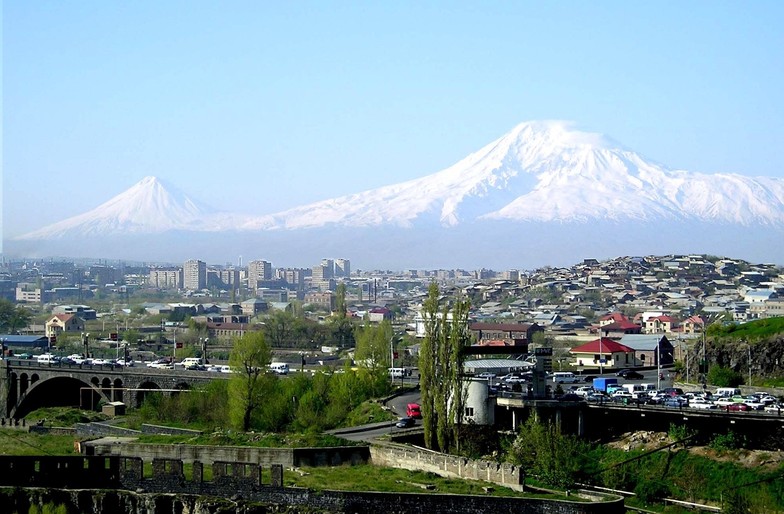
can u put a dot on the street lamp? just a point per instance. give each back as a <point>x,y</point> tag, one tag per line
<point>86,344</point>
<point>204,350</point>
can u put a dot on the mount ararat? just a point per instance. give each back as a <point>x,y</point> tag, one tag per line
<point>544,193</point>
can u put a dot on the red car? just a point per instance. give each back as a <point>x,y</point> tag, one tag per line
<point>413,411</point>
<point>737,407</point>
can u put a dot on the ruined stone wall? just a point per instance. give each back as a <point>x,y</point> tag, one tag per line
<point>415,459</point>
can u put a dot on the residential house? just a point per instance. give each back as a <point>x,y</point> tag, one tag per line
<point>619,329</point>
<point>518,335</point>
<point>659,324</point>
<point>60,323</point>
<point>603,352</point>
<point>650,349</point>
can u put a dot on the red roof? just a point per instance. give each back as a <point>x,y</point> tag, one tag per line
<point>621,325</point>
<point>607,346</point>
<point>615,316</point>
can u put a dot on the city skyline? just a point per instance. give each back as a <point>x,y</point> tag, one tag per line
<point>312,102</point>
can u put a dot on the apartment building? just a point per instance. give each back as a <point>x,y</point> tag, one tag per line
<point>194,275</point>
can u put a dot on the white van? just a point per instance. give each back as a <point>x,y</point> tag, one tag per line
<point>281,368</point>
<point>47,358</point>
<point>727,392</point>
<point>565,377</point>
<point>633,388</point>
<point>190,362</point>
<point>649,387</point>
<point>397,372</point>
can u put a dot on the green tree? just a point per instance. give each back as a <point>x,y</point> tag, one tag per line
<point>546,452</point>
<point>249,359</point>
<point>440,369</point>
<point>340,300</point>
<point>279,327</point>
<point>372,350</point>
<point>13,317</point>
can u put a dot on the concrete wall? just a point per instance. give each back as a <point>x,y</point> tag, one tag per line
<point>445,465</point>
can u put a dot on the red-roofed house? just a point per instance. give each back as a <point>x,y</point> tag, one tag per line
<point>620,328</point>
<point>603,351</point>
<point>693,325</point>
<point>659,324</point>
<point>64,323</point>
<point>613,317</point>
<point>514,334</point>
<point>379,314</point>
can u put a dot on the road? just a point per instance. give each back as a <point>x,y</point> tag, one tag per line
<point>369,432</point>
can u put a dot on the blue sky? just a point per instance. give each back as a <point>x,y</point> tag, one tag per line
<point>261,106</point>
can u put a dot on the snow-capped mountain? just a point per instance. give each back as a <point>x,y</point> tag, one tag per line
<point>148,207</point>
<point>542,191</point>
<point>548,172</point>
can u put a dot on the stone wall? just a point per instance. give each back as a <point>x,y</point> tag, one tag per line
<point>169,490</point>
<point>162,430</point>
<point>332,456</point>
<point>97,429</point>
<point>415,459</point>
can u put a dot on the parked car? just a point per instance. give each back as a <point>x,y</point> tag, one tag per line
<point>25,356</point>
<point>584,391</point>
<point>405,422</point>
<point>676,401</point>
<point>775,407</point>
<point>702,403</point>
<point>738,407</point>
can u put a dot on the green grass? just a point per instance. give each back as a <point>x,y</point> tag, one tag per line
<point>64,416</point>
<point>751,331</point>
<point>18,442</point>
<point>367,412</point>
<point>367,477</point>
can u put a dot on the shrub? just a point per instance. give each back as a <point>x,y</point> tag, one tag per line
<point>728,441</point>
<point>724,377</point>
<point>678,432</point>
<point>649,491</point>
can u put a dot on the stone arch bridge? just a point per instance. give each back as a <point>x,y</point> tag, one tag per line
<point>27,385</point>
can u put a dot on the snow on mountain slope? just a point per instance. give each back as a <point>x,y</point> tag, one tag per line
<point>149,206</point>
<point>549,172</point>
<point>541,171</point>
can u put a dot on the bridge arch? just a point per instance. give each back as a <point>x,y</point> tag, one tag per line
<point>24,383</point>
<point>117,393</point>
<point>146,388</point>
<point>61,391</point>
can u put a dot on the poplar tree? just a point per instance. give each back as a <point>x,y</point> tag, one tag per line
<point>441,361</point>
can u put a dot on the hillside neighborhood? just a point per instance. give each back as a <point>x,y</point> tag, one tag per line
<point>619,299</point>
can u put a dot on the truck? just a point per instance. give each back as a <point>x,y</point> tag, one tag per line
<point>601,383</point>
